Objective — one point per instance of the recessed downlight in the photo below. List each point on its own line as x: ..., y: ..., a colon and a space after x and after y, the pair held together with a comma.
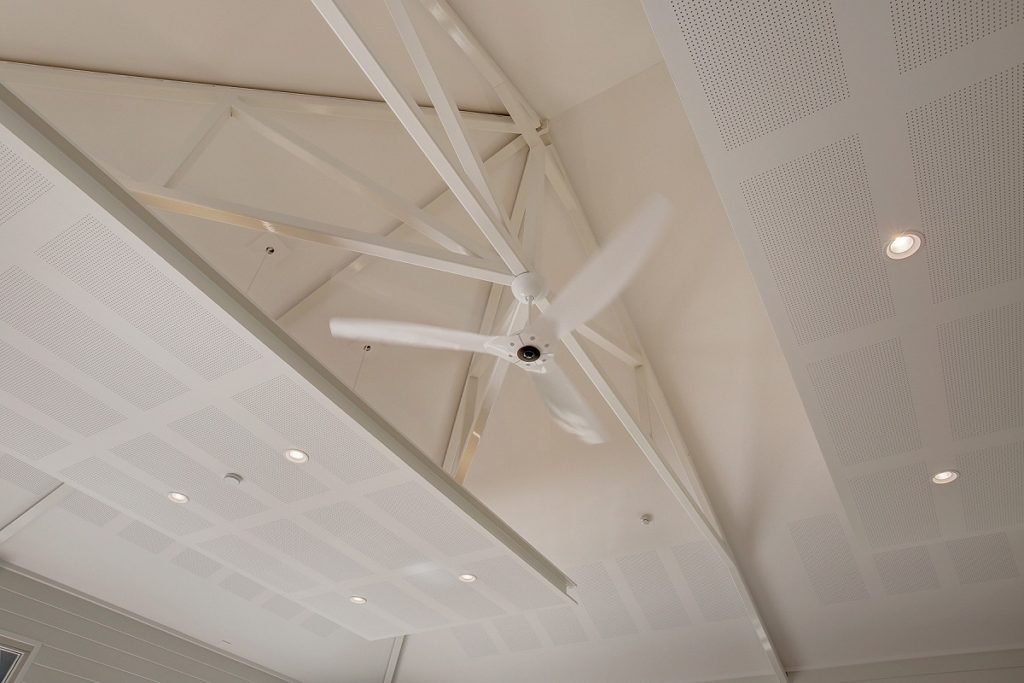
x: 945, y: 477
x: 357, y: 600
x: 296, y: 456
x: 904, y: 245
x: 467, y: 578
x: 177, y: 497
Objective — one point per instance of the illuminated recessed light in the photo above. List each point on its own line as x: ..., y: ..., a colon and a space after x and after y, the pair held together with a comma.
x: 296, y: 456
x: 467, y: 578
x: 903, y: 245
x: 945, y: 477
x: 357, y: 600
x: 177, y: 497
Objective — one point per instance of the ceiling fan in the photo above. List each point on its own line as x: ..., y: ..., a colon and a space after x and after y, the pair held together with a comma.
x: 533, y: 348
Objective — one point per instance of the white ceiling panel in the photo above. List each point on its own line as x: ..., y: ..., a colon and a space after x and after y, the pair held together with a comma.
x: 128, y: 440
x: 828, y: 128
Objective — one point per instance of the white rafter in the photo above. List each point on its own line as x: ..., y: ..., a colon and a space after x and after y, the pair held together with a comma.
x: 410, y: 116
x: 694, y: 502
x: 220, y: 211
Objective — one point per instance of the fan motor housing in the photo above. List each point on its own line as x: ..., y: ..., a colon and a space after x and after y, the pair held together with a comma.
x: 528, y: 353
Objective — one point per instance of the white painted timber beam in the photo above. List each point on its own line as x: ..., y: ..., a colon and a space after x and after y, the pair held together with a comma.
x: 34, y: 511
x: 444, y: 105
x: 357, y: 263
x: 519, y: 108
x: 695, y: 504
x: 356, y: 181
x: 198, y: 140
x: 101, y: 82
x: 411, y: 117
x: 312, y: 231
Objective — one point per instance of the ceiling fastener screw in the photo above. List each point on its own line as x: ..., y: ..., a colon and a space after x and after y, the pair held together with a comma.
x: 270, y: 250
x: 646, y: 519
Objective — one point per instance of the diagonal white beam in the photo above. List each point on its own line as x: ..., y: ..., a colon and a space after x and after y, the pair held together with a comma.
x: 408, y: 113
x: 517, y: 105
x: 356, y: 181
x: 357, y: 263
x: 34, y: 511
x: 106, y: 83
x: 293, y: 226
x: 702, y: 515
x: 193, y: 146
x: 444, y: 105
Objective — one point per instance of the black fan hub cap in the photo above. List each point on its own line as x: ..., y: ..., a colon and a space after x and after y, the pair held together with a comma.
x: 528, y: 353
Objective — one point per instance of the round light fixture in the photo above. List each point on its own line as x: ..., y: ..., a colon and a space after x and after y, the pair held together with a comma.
x: 177, y: 497
x: 296, y: 456
x: 467, y: 578
x: 357, y: 600
x: 904, y: 245
x: 945, y: 477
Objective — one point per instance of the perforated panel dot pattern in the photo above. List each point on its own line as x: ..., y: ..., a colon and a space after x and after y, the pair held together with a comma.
x: 265, y: 567
x: 514, y: 583
x: 474, y: 641
x: 968, y: 150
x: 26, y: 437
x: 298, y: 544
x: 828, y: 559
x: 928, y: 29
x: 242, y: 586
x: 866, y: 400
x: 319, y: 626
x: 95, y: 475
x: 983, y: 368
x: 25, y: 476
x: 516, y: 633
x: 101, y: 263
x: 602, y: 601
x: 896, y: 505
x: 282, y: 607
x: 283, y: 405
x: 146, y: 537
x: 403, y: 606
x: 983, y: 558
x: 815, y: 220
x: 180, y: 473
x: 53, y: 395
x: 709, y: 580
x: 40, y: 314
x: 225, y: 440
x: 562, y: 625
x: 367, y: 536
x: 20, y: 184
x: 652, y: 589
x: 763, y: 65
x: 428, y: 518
x: 196, y: 563
x: 992, y: 487
x: 907, y: 570
x: 88, y: 508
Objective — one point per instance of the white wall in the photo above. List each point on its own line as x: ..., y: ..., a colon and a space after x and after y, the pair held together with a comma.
x: 83, y: 642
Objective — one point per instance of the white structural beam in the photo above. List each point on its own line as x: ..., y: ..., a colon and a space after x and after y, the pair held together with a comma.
x: 100, y: 82
x: 444, y: 105
x: 694, y: 503
x: 356, y: 181
x: 198, y: 140
x: 409, y: 114
x: 293, y: 226
x: 518, y: 107
x: 394, y: 656
x: 357, y: 263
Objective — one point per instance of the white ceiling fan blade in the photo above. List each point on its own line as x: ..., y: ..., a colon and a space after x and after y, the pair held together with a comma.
x: 568, y: 407
x: 607, y: 273
x: 410, y: 334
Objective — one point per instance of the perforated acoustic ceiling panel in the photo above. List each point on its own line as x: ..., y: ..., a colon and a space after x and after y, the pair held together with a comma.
x: 828, y: 128
x: 128, y: 371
